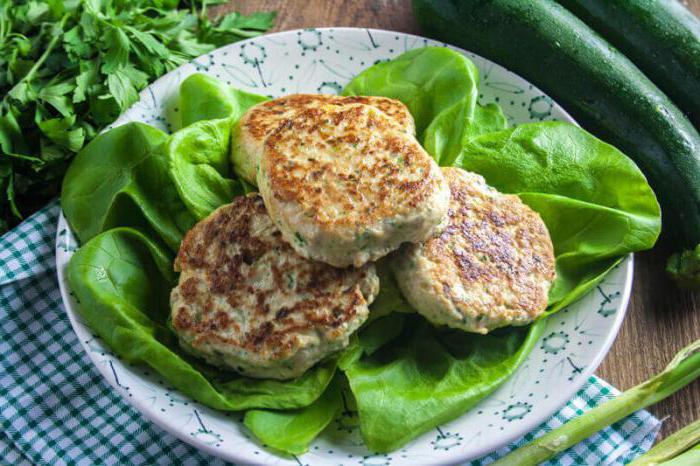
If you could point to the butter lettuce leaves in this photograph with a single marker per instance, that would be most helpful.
(198, 154)
(122, 281)
(427, 376)
(291, 431)
(205, 98)
(198, 165)
(136, 175)
(121, 179)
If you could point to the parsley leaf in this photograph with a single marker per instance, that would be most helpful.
(70, 67)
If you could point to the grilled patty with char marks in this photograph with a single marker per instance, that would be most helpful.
(491, 266)
(246, 301)
(346, 187)
(259, 121)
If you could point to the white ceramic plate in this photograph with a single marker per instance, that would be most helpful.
(323, 61)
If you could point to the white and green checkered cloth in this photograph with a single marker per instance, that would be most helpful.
(56, 408)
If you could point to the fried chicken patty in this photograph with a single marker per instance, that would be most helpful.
(246, 301)
(345, 186)
(490, 267)
(259, 121)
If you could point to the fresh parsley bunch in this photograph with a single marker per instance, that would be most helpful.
(70, 67)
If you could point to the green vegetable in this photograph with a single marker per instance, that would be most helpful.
(686, 439)
(660, 36)
(440, 88)
(122, 281)
(378, 331)
(684, 268)
(541, 41)
(374, 334)
(71, 67)
(688, 458)
(205, 98)
(136, 175)
(595, 202)
(683, 369)
(389, 298)
(292, 431)
(198, 165)
(121, 179)
(427, 376)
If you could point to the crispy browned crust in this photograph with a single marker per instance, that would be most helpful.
(235, 261)
(495, 243)
(262, 119)
(392, 107)
(361, 167)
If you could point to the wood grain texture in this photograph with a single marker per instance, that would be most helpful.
(660, 319)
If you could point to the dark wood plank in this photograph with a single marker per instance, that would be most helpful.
(394, 15)
(660, 319)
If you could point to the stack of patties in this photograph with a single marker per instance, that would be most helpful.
(276, 282)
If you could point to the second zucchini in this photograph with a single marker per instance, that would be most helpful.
(660, 36)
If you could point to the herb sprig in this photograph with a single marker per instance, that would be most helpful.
(70, 67)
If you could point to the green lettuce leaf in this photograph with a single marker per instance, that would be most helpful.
(440, 87)
(427, 376)
(198, 163)
(291, 431)
(122, 281)
(389, 299)
(198, 154)
(595, 201)
(372, 336)
(121, 179)
(380, 332)
(205, 98)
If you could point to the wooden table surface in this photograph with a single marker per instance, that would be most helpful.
(660, 319)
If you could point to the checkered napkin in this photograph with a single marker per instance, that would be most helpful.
(55, 407)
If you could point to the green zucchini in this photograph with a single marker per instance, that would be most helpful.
(660, 36)
(598, 85)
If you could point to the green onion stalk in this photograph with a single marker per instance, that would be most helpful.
(689, 458)
(683, 369)
(682, 446)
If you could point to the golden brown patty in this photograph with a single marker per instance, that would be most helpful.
(259, 121)
(346, 187)
(491, 266)
(248, 302)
